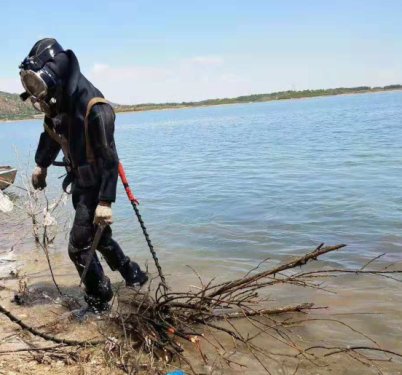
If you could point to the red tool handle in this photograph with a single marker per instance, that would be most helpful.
(123, 178)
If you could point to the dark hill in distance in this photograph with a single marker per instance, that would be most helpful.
(13, 108)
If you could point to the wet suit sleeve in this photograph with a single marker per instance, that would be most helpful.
(101, 134)
(47, 150)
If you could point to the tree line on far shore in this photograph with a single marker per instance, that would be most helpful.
(281, 95)
(12, 108)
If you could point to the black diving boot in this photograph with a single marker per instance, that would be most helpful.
(94, 309)
(132, 274)
(96, 305)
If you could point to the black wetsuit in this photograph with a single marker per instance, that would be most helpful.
(91, 182)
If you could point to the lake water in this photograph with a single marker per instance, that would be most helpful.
(240, 183)
(222, 188)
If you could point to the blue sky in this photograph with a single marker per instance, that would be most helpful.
(155, 51)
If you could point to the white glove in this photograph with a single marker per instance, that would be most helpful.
(39, 178)
(103, 214)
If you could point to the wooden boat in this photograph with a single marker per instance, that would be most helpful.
(7, 176)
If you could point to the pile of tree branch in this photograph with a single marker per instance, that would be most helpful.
(162, 323)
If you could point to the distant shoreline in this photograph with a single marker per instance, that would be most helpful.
(218, 102)
(265, 101)
(21, 119)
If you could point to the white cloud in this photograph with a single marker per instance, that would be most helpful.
(129, 84)
(195, 78)
(99, 68)
(206, 60)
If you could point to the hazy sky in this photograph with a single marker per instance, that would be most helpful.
(155, 51)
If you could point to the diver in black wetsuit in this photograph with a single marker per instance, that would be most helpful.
(53, 82)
